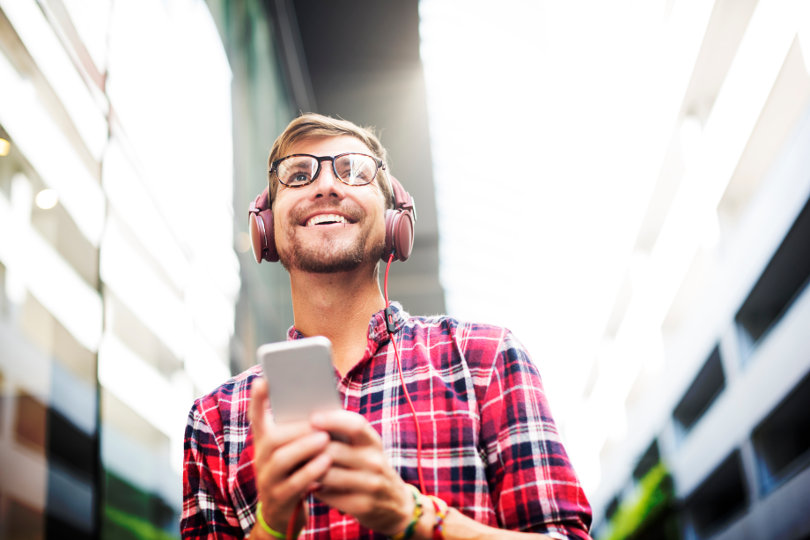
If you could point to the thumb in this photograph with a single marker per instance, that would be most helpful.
(258, 405)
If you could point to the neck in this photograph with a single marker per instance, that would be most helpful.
(338, 306)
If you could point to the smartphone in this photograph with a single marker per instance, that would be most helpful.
(300, 376)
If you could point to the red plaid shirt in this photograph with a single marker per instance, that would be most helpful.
(489, 445)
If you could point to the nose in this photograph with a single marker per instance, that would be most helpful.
(327, 183)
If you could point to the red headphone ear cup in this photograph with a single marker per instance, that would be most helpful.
(262, 236)
(398, 234)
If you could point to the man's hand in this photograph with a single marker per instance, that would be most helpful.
(288, 460)
(360, 481)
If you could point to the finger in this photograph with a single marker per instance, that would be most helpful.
(290, 456)
(289, 470)
(280, 498)
(370, 458)
(258, 406)
(299, 482)
(342, 480)
(283, 448)
(286, 432)
(347, 425)
(307, 477)
(343, 501)
(377, 510)
(262, 421)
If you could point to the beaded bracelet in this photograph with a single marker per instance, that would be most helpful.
(417, 513)
(267, 528)
(441, 512)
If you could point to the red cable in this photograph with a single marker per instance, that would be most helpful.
(299, 506)
(402, 381)
(293, 519)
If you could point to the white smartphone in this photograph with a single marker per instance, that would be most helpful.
(300, 376)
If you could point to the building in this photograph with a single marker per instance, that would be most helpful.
(133, 136)
(698, 401)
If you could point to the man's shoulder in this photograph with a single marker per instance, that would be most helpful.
(461, 329)
(218, 424)
(480, 344)
(233, 393)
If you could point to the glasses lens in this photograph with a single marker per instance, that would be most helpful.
(296, 170)
(356, 169)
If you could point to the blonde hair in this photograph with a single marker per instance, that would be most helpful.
(311, 125)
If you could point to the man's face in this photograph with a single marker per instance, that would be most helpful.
(327, 226)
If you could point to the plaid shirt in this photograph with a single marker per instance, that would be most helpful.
(489, 445)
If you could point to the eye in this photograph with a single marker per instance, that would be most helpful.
(295, 172)
(361, 174)
(299, 177)
(356, 169)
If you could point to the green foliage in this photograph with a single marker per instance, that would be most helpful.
(654, 495)
(121, 525)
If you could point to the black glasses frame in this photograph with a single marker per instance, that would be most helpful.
(320, 159)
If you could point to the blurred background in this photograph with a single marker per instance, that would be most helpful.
(623, 184)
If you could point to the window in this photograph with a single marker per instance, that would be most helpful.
(647, 461)
(719, 498)
(780, 284)
(782, 439)
(707, 385)
(611, 508)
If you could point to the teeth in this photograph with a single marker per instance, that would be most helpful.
(325, 218)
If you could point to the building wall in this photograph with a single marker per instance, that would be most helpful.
(703, 364)
(262, 107)
(118, 297)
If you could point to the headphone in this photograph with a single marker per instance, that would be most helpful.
(399, 223)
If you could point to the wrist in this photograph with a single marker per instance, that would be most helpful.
(441, 509)
(426, 520)
(267, 530)
(407, 531)
(424, 528)
(431, 523)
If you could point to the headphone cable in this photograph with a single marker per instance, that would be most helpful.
(293, 519)
(389, 323)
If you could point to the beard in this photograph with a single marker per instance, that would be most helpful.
(331, 254)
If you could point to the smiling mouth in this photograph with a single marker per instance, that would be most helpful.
(326, 219)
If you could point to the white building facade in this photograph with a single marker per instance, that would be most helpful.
(118, 277)
(704, 364)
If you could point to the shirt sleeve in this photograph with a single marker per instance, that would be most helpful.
(533, 485)
(206, 509)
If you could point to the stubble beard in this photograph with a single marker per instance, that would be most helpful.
(331, 254)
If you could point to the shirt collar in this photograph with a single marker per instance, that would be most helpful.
(377, 329)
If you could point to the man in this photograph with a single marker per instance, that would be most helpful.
(490, 456)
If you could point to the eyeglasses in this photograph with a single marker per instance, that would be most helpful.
(353, 169)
